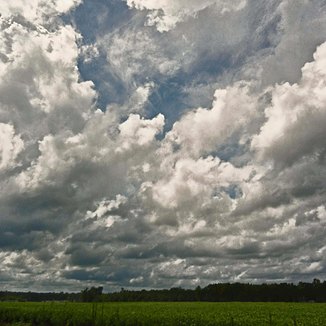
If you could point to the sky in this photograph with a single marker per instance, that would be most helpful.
(161, 143)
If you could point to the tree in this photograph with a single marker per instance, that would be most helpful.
(92, 294)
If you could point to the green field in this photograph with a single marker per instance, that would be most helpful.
(133, 314)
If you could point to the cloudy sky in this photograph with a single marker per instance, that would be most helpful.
(160, 143)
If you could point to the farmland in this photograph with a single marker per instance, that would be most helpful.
(182, 313)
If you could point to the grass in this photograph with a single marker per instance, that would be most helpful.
(165, 314)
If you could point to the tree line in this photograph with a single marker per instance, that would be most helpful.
(221, 292)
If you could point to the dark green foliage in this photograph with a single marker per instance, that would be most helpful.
(222, 292)
(91, 295)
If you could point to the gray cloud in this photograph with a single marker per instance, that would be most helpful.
(210, 168)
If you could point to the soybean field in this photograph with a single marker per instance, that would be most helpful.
(151, 314)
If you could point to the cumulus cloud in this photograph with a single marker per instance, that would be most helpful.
(137, 131)
(10, 146)
(295, 120)
(204, 130)
(36, 10)
(196, 181)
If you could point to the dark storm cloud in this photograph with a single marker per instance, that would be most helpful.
(81, 255)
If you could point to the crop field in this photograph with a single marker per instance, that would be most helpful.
(187, 314)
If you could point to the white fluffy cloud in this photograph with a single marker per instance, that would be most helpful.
(192, 180)
(39, 80)
(137, 131)
(37, 11)
(10, 146)
(203, 130)
(296, 119)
